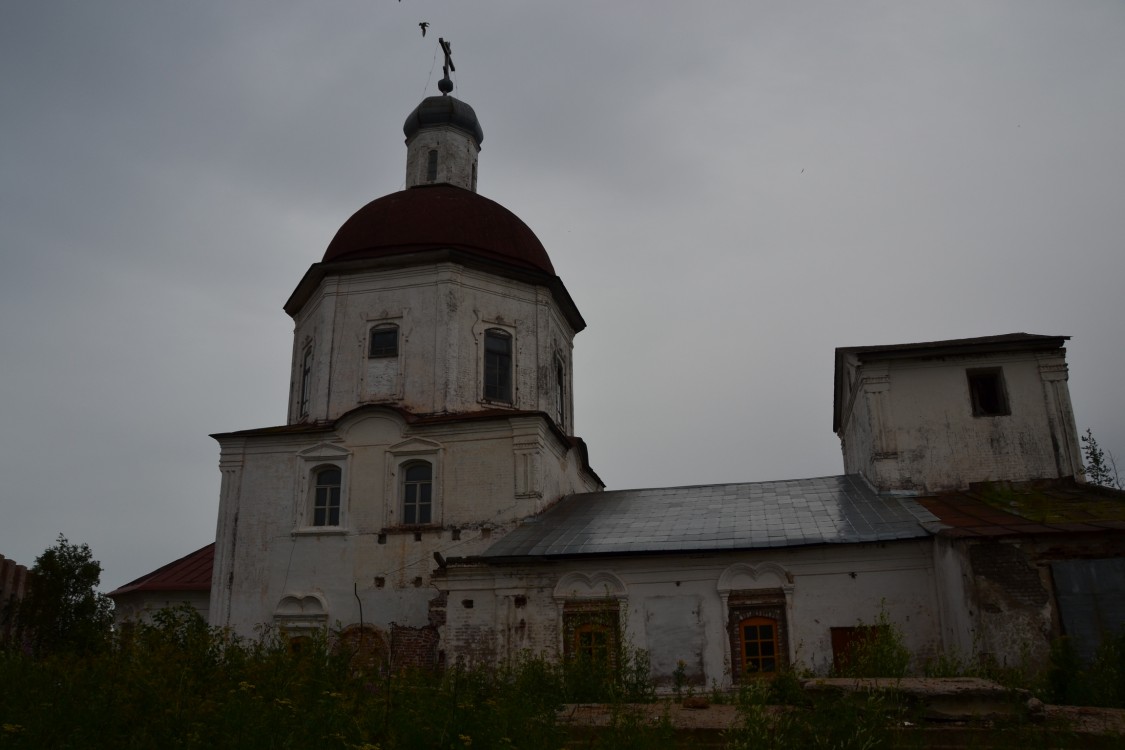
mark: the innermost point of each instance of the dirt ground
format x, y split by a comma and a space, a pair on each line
1079, 719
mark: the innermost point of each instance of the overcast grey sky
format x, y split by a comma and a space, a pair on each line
729, 190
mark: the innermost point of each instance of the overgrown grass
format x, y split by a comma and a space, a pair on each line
1100, 683
878, 650
179, 684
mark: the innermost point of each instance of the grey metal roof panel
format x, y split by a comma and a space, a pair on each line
824, 510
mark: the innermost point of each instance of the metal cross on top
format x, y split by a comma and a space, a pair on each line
445, 85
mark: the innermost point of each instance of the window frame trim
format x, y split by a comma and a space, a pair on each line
398, 457
405, 484
312, 461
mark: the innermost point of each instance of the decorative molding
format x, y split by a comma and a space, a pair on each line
599, 585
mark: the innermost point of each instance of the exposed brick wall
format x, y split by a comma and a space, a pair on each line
368, 647
1015, 577
14, 580
414, 648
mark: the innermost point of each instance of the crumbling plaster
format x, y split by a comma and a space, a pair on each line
675, 607
270, 550
442, 311
910, 424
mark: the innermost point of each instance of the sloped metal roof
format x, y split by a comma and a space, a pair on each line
190, 573
825, 510
1003, 509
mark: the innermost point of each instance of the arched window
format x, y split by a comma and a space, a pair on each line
759, 639
497, 365
383, 341
326, 496
417, 492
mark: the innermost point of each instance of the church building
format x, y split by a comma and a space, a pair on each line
428, 495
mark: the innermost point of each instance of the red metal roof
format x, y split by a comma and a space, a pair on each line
997, 510
189, 573
430, 217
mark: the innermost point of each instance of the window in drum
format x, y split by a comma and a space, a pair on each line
560, 393
758, 636
417, 493
383, 341
431, 166
497, 365
306, 380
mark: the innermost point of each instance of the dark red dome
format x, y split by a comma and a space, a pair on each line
436, 217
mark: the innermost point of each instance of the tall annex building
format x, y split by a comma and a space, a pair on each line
427, 498
429, 409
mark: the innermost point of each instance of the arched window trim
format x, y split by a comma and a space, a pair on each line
312, 461
399, 458
326, 496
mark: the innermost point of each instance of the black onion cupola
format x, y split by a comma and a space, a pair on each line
443, 138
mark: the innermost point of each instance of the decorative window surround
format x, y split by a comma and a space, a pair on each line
399, 457
589, 603
311, 461
299, 615
749, 592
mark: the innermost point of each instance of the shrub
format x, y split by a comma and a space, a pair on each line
878, 650
1100, 683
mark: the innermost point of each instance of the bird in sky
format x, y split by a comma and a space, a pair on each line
424, 25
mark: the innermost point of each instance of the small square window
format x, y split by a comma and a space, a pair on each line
384, 341
987, 392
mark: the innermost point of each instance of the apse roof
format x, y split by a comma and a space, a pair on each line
718, 517
190, 573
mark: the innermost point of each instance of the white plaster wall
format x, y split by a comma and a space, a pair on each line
442, 312
140, 606
951, 570
457, 157
673, 606
912, 427
266, 549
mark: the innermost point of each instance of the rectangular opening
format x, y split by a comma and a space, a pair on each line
988, 393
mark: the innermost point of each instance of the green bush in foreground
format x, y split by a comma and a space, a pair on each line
179, 684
